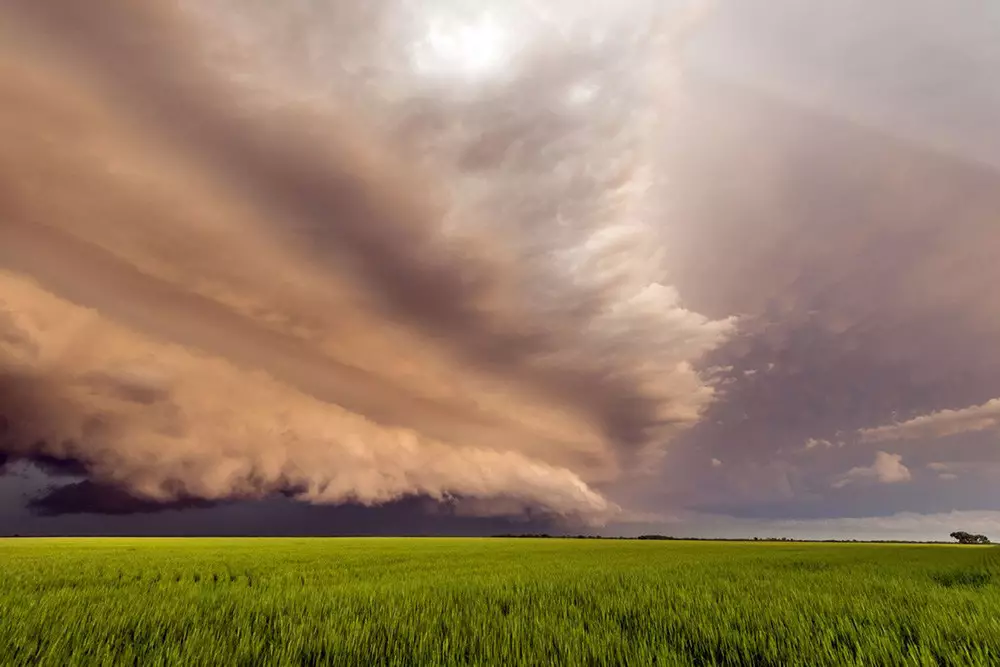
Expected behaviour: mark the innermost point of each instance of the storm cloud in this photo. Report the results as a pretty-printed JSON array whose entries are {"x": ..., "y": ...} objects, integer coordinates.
[
  {"x": 213, "y": 287},
  {"x": 441, "y": 264}
]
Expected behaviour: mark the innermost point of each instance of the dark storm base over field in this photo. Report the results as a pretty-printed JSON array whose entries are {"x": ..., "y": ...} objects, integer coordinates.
[{"x": 391, "y": 601}]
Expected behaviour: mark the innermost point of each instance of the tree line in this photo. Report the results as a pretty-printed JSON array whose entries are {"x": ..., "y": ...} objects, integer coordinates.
[{"x": 962, "y": 537}]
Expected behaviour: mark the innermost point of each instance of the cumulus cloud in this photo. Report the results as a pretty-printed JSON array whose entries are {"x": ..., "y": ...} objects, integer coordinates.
[
  {"x": 813, "y": 443},
  {"x": 939, "y": 424},
  {"x": 887, "y": 469},
  {"x": 214, "y": 287}
]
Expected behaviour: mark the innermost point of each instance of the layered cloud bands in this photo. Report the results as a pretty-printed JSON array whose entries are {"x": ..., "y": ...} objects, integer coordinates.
[{"x": 213, "y": 286}]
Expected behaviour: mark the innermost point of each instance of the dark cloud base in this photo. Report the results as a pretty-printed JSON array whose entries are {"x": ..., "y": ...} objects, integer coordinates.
[
  {"x": 417, "y": 517},
  {"x": 89, "y": 497}
]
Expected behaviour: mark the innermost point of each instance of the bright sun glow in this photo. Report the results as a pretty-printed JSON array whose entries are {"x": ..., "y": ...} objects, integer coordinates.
[{"x": 469, "y": 49}]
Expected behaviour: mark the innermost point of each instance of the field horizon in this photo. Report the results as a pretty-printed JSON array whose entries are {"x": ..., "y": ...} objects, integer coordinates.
[{"x": 506, "y": 536}]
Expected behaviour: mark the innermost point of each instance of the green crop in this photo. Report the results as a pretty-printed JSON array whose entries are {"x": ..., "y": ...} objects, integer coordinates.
[{"x": 494, "y": 601}]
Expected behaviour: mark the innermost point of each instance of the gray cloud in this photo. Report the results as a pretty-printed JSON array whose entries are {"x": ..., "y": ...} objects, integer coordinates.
[
  {"x": 920, "y": 69},
  {"x": 988, "y": 470},
  {"x": 88, "y": 497},
  {"x": 858, "y": 263}
]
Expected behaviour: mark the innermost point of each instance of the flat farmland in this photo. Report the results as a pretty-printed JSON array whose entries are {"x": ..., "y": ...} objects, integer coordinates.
[{"x": 495, "y": 601}]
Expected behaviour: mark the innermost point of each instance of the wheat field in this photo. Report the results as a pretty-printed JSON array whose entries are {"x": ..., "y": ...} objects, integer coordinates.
[{"x": 494, "y": 601}]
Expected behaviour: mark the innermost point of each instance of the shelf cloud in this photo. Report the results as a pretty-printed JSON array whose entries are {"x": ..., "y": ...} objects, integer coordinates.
[{"x": 215, "y": 287}]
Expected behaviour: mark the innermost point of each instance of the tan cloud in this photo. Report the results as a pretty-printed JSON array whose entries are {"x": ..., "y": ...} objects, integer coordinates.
[
  {"x": 887, "y": 469},
  {"x": 208, "y": 294},
  {"x": 167, "y": 421},
  {"x": 939, "y": 424}
]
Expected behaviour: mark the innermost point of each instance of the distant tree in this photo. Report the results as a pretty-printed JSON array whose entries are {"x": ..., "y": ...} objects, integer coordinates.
[{"x": 968, "y": 538}]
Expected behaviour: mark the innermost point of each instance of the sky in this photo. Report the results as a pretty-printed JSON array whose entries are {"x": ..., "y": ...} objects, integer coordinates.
[{"x": 703, "y": 269}]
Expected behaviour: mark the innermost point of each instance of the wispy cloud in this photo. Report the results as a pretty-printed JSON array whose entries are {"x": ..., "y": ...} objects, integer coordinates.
[
  {"x": 950, "y": 470},
  {"x": 939, "y": 424}
]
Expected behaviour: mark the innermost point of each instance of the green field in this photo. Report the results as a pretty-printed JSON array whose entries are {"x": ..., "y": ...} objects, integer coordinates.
[{"x": 494, "y": 601}]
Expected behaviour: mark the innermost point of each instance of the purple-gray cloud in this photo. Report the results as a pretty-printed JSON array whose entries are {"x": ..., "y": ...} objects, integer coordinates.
[{"x": 860, "y": 264}]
